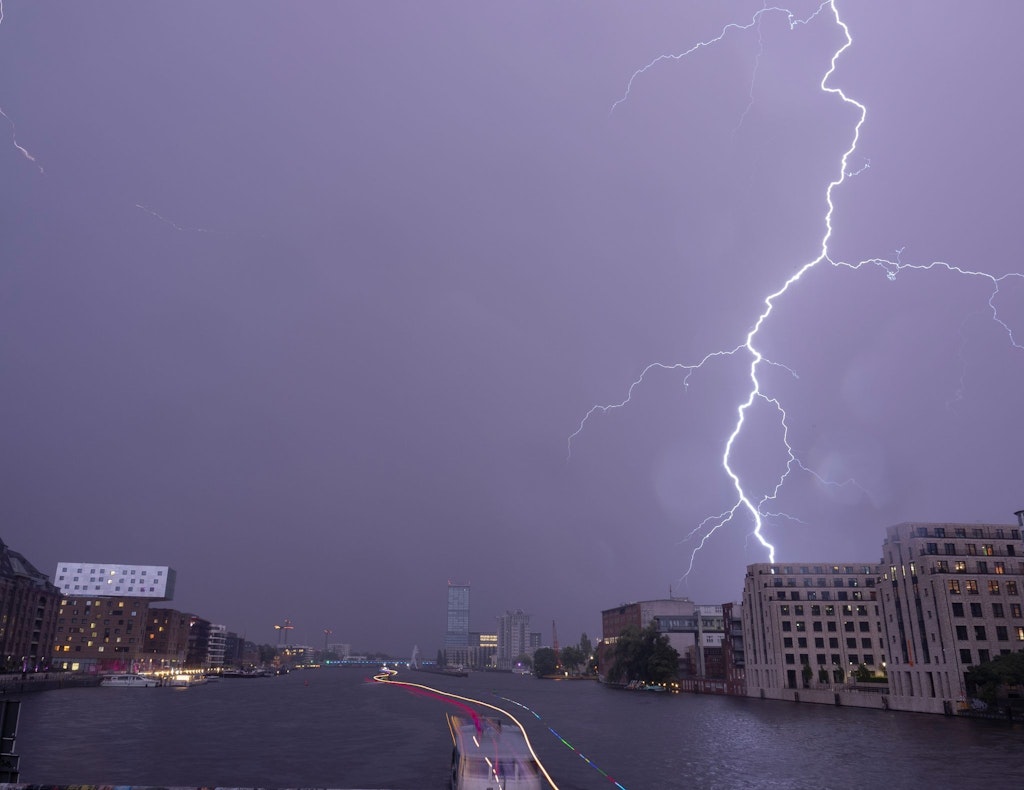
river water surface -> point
(336, 728)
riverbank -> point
(44, 681)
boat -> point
(129, 680)
(183, 680)
(486, 754)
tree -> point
(545, 662)
(524, 659)
(807, 673)
(862, 673)
(645, 655)
(572, 657)
(822, 675)
(586, 648)
(985, 680)
(267, 654)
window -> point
(851, 642)
(816, 626)
(1020, 633)
(987, 550)
(958, 610)
(831, 626)
(965, 655)
(865, 643)
(1011, 588)
(1001, 633)
(954, 586)
(864, 626)
(798, 610)
(790, 658)
(997, 610)
(960, 566)
(972, 586)
(932, 548)
(801, 625)
(993, 587)
(801, 642)
(959, 532)
(942, 566)
(819, 641)
(961, 633)
(982, 566)
(979, 632)
(1015, 610)
(787, 625)
(784, 610)
(787, 641)
(950, 548)
(972, 549)
(1000, 568)
(833, 642)
(816, 611)
(975, 610)
(848, 626)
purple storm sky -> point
(306, 299)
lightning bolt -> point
(14, 132)
(746, 502)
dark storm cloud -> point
(389, 255)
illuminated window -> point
(993, 587)
(954, 586)
(1020, 633)
(960, 566)
(972, 586)
(1011, 588)
(1000, 568)
(987, 550)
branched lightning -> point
(745, 501)
(14, 132)
(172, 223)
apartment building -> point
(952, 600)
(808, 625)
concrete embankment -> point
(44, 681)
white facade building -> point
(513, 637)
(216, 645)
(952, 596)
(89, 579)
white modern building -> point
(86, 579)
(513, 637)
(217, 645)
(810, 625)
(951, 594)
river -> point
(336, 728)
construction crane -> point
(554, 639)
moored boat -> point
(129, 680)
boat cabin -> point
(489, 756)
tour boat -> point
(129, 680)
(486, 754)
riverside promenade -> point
(18, 683)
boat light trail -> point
(413, 687)
(578, 753)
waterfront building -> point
(166, 642)
(456, 637)
(483, 650)
(952, 600)
(100, 634)
(216, 645)
(81, 579)
(513, 637)
(28, 614)
(197, 653)
(810, 625)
